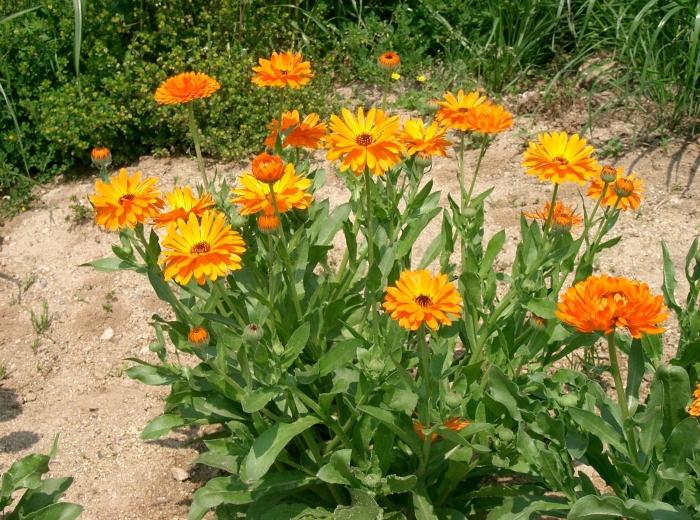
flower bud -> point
(568, 400)
(561, 225)
(623, 187)
(252, 333)
(389, 61)
(529, 286)
(101, 157)
(198, 337)
(453, 399)
(268, 168)
(470, 213)
(268, 223)
(423, 160)
(537, 321)
(608, 174)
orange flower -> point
(267, 168)
(454, 109)
(285, 69)
(694, 409)
(369, 141)
(558, 157)
(389, 60)
(198, 337)
(488, 118)
(101, 156)
(182, 202)
(201, 250)
(419, 297)
(305, 134)
(563, 216)
(455, 424)
(604, 303)
(268, 223)
(125, 201)
(622, 192)
(425, 141)
(186, 87)
(290, 192)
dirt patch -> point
(70, 380)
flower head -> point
(563, 216)
(186, 87)
(125, 201)
(488, 118)
(252, 333)
(608, 174)
(303, 134)
(419, 297)
(284, 69)
(201, 249)
(364, 141)
(198, 337)
(558, 157)
(454, 109)
(426, 141)
(421, 78)
(604, 303)
(290, 192)
(395, 76)
(622, 192)
(267, 168)
(268, 223)
(389, 60)
(101, 156)
(455, 424)
(694, 409)
(181, 202)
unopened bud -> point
(608, 174)
(252, 333)
(623, 187)
(423, 160)
(101, 157)
(198, 337)
(453, 399)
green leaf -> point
(161, 425)
(47, 493)
(295, 345)
(401, 400)
(422, 506)
(523, 508)
(338, 470)
(492, 249)
(338, 355)
(597, 426)
(542, 307)
(668, 286)
(151, 375)
(109, 264)
(60, 511)
(606, 507)
(676, 388)
(504, 391)
(296, 512)
(24, 473)
(363, 507)
(436, 246)
(635, 369)
(256, 400)
(401, 430)
(269, 444)
(412, 231)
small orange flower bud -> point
(101, 156)
(268, 223)
(624, 187)
(608, 174)
(198, 337)
(268, 168)
(389, 60)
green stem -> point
(553, 203)
(270, 269)
(232, 307)
(370, 253)
(424, 411)
(386, 90)
(597, 202)
(482, 152)
(624, 412)
(197, 147)
(462, 189)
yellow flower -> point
(182, 202)
(419, 297)
(290, 192)
(454, 109)
(421, 78)
(623, 192)
(125, 201)
(694, 409)
(425, 141)
(201, 250)
(558, 157)
(395, 76)
(285, 69)
(361, 141)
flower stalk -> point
(194, 130)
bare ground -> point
(70, 379)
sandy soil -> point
(71, 381)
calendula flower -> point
(201, 249)
(453, 109)
(558, 157)
(267, 168)
(290, 192)
(389, 60)
(419, 297)
(455, 424)
(361, 141)
(268, 223)
(284, 69)
(186, 87)
(622, 192)
(125, 200)
(198, 337)
(608, 174)
(694, 409)
(181, 202)
(563, 215)
(487, 118)
(101, 156)
(604, 303)
(421, 78)
(395, 76)
(426, 141)
(303, 134)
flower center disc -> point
(200, 247)
(284, 72)
(423, 300)
(128, 197)
(364, 139)
(560, 160)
